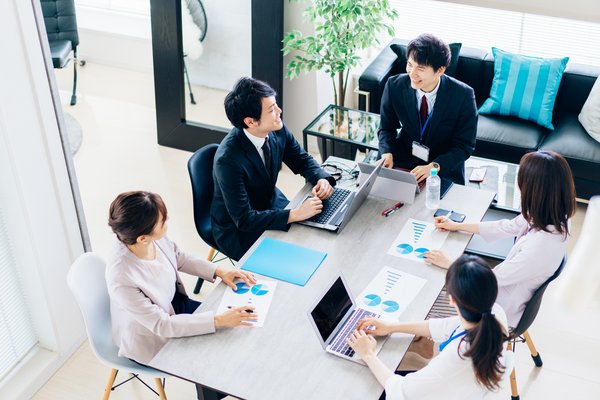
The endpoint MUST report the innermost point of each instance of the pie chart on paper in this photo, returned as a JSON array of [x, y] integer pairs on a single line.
[[372, 300], [404, 248], [390, 306], [420, 252], [241, 288], [260, 289]]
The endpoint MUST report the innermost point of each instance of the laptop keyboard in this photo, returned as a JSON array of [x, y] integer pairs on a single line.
[[339, 344], [331, 205]]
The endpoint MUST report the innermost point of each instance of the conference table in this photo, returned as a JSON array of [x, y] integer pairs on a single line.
[[284, 359]]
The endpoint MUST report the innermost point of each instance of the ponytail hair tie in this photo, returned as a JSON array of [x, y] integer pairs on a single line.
[[487, 313]]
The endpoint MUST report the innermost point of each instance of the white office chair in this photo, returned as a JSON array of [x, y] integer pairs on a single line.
[[87, 282]]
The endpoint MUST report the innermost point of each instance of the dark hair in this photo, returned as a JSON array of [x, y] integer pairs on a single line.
[[245, 100], [547, 190], [474, 288], [133, 214], [427, 49]]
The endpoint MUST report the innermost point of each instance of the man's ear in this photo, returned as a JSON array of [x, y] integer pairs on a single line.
[[250, 122], [440, 71]]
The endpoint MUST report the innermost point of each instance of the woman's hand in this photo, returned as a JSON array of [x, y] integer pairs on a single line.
[[239, 316], [446, 224], [228, 276], [437, 257], [374, 327], [363, 344]]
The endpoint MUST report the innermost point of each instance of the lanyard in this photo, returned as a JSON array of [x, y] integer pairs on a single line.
[[424, 126], [451, 338]]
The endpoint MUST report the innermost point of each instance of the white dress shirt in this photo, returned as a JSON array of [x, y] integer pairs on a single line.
[[448, 375], [534, 257], [430, 97], [258, 144]]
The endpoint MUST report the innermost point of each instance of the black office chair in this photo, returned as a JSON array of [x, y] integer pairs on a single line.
[[520, 334], [200, 168], [61, 28]]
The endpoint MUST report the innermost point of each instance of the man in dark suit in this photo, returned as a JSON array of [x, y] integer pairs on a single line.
[[428, 119], [246, 201]]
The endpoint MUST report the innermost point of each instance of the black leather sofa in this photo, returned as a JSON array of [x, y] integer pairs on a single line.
[[507, 138]]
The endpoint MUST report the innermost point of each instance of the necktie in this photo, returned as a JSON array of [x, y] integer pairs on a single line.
[[424, 111], [267, 153]]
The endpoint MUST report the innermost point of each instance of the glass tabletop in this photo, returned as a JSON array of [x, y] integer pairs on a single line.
[[500, 177], [347, 125]]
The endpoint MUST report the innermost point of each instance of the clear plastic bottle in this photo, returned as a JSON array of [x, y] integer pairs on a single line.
[[432, 190]]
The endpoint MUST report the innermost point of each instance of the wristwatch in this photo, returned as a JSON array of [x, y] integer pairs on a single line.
[[436, 166]]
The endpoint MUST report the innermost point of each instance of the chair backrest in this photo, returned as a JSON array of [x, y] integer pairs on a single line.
[[533, 306], [60, 20], [87, 282], [200, 168]]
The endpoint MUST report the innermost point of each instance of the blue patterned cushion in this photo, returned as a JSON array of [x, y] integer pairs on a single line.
[[524, 87]]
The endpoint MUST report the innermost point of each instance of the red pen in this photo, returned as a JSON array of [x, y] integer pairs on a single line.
[[389, 211]]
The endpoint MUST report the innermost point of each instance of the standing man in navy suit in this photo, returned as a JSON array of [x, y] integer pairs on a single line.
[[428, 119], [246, 201]]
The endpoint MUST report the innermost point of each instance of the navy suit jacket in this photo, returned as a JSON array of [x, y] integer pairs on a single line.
[[450, 133], [246, 201]]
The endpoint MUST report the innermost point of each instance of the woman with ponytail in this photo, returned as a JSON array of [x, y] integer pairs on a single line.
[[471, 362]]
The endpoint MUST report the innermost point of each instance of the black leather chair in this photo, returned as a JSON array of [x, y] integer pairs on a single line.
[[61, 28], [520, 334], [200, 168]]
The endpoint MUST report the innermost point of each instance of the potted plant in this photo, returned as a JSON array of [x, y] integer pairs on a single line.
[[342, 29]]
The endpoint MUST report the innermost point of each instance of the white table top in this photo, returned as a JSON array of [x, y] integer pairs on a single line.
[[284, 359]]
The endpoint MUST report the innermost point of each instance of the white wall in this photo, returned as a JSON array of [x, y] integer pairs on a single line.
[[42, 219]]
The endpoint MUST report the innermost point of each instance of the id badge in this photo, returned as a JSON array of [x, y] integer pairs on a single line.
[[420, 151]]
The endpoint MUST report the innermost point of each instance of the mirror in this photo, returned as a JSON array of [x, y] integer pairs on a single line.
[[255, 43], [217, 51]]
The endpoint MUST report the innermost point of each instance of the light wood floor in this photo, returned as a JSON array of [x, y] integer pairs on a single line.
[[119, 152]]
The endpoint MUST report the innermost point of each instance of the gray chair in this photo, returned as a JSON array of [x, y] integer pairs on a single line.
[[88, 284], [61, 28], [520, 334]]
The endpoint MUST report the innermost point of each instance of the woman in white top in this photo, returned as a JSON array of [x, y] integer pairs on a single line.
[[148, 302], [471, 362], [541, 230]]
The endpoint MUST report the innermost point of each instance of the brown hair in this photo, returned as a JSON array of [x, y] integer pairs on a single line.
[[547, 190], [474, 288], [133, 214]]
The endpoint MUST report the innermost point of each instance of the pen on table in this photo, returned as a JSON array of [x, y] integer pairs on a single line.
[[247, 310], [389, 211]]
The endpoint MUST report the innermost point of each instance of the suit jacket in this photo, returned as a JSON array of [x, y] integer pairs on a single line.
[[533, 259], [450, 134], [142, 318], [246, 201]]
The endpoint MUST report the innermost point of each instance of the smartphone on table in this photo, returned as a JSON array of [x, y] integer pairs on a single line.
[[454, 216]]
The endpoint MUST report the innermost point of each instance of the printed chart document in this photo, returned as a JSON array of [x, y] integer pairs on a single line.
[[390, 292], [415, 239], [259, 296]]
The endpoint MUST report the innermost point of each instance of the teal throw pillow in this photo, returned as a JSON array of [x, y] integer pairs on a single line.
[[524, 87]]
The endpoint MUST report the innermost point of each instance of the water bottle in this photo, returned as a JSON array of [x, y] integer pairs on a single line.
[[432, 190]]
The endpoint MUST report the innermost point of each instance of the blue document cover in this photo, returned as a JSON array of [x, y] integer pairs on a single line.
[[284, 261]]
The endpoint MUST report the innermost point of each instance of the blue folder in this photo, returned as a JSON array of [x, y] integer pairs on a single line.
[[284, 261]]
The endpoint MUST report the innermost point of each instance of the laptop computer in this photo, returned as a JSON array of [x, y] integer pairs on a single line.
[[392, 184], [335, 317], [399, 184], [342, 205]]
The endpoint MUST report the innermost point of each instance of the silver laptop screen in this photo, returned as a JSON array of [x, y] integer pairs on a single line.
[[332, 308]]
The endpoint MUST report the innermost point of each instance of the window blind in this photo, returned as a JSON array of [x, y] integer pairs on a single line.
[[17, 335], [527, 34]]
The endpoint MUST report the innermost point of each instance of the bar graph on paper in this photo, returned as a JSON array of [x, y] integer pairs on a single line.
[[390, 292], [415, 239]]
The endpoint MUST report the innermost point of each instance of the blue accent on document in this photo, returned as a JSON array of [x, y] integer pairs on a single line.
[[284, 261]]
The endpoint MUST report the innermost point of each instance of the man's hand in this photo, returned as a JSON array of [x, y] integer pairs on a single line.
[[422, 171], [229, 275], [323, 190], [388, 160], [311, 206]]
